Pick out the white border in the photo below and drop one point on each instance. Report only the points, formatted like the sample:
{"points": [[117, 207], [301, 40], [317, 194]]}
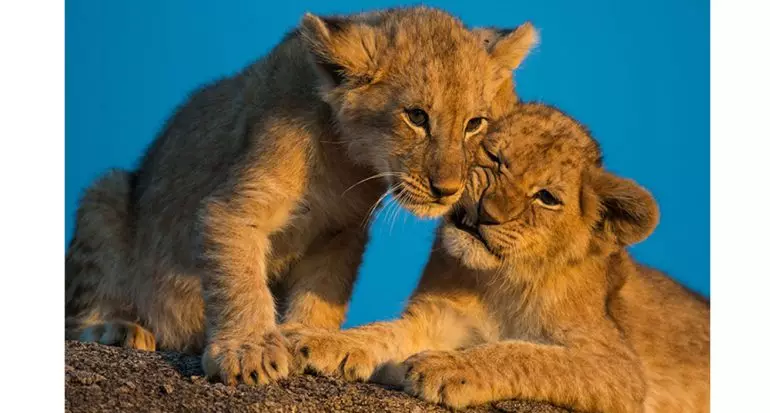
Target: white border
{"points": [[32, 173], [740, 205], [32, 155]]}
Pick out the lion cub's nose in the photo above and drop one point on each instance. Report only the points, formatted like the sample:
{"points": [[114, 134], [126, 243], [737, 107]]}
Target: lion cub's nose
{"points": [[445, 187]]}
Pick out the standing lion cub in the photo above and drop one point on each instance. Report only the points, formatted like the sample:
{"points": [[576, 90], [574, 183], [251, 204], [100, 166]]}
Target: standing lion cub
{"points": [[254, 197], [531, 293]]}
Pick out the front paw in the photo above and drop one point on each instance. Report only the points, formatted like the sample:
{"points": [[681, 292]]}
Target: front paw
{"points": [[334, 353], [446, 377], [259, 360]]}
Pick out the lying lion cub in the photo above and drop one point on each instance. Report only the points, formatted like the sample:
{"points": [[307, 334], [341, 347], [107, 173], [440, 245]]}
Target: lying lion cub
{"points": [[534, 295]]}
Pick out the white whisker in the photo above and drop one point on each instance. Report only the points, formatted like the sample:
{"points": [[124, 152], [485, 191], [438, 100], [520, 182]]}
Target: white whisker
{"points": [[380, 175], [388, 206], [373, 209], [397, 208]]}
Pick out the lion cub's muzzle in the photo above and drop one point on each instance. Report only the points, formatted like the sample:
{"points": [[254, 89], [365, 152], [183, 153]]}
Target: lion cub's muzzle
{"points": [[480, 207], [444, 189], [428, 197], [465, 218]]}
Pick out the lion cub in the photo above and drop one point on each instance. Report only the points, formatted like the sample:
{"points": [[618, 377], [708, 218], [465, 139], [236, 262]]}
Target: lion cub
{"points": [[533, 295], [256, 193]]}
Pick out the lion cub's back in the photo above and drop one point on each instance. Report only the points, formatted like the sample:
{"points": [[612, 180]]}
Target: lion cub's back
{"points": [[669, 329]]}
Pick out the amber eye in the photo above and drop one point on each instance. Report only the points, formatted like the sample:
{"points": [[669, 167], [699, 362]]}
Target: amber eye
{"points": [[418, 117], [546, 198], [474, 125]]}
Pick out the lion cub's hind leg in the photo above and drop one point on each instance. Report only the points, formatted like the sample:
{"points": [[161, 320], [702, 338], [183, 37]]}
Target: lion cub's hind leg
{"points": [[118, 333]]}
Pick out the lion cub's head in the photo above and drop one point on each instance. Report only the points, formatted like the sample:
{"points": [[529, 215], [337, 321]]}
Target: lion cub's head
{"points": [[411, 90], [541, 198]]}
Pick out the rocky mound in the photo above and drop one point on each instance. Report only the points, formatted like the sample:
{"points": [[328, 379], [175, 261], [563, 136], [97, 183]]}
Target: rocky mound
{"points": [[110, 379]]}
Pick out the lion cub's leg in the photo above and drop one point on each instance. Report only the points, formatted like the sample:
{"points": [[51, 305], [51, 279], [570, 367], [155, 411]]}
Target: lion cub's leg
{"points": [[319, 286], [317, 289], [243, 340], [96, 267], [353, 354], [435, 318], [575, 378], [119, 333], [244, 344], [428, 323]]}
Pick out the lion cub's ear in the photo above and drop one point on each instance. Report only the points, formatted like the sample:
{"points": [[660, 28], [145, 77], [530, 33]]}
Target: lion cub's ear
{"points": [[508, 46], [627, 211], [341, 48]]}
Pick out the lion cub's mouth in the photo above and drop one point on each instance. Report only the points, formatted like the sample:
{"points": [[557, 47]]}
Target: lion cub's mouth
{"points": [[420, 204], [460, 219]]}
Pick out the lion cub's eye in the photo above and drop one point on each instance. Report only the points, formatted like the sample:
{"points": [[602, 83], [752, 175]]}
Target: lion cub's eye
{"points": [[418, 117], [546, 198], [474, 125]]}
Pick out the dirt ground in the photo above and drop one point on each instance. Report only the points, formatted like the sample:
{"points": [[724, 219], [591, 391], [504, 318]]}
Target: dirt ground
{"points": [[110, 379]]}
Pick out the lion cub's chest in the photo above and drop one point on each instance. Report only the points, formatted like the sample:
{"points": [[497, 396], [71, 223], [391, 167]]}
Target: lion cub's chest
{"points": [[322, 211], [516, 318]]}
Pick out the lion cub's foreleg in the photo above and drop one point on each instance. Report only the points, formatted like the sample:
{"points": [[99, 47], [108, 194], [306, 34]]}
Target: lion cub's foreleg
{"points": [[243, 341], [319, 286], [429, 323], [436, 318], [560, 375]]}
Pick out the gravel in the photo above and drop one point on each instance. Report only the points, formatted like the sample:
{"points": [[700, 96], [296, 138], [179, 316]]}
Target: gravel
{"points": [[111, 379]]}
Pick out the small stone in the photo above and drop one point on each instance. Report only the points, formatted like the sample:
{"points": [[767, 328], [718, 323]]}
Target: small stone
{"points": [[94, 388], [167, 388], [130, 385], [86, 378]]}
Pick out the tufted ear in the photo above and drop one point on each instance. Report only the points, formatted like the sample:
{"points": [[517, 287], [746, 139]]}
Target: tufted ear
{"points": [[508, 46], [488, 36], [341, 48], [626, 210]]}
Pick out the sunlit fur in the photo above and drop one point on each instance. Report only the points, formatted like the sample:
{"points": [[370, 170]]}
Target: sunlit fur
{"points": [[253, 202], [538, 148], [544, 302], [414, 58]]}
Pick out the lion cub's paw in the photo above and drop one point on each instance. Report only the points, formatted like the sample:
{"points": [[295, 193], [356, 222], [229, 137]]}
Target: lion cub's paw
{"points": [[120, 333], [252, 361], [446, 377], [334, 353]]}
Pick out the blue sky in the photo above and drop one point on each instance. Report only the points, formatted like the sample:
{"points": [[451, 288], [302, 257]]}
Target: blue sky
{"points": [[635, 73]]}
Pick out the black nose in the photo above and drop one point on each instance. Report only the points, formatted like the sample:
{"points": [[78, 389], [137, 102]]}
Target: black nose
{"points": [[444, 188]]}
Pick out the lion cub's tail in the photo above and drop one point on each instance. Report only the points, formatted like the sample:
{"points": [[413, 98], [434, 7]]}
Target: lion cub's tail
{"points": [[100, 248]]}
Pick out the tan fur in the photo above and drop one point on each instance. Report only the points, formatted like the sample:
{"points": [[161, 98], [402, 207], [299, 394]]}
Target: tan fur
{"points": [[542, 302], [256, 196]]}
